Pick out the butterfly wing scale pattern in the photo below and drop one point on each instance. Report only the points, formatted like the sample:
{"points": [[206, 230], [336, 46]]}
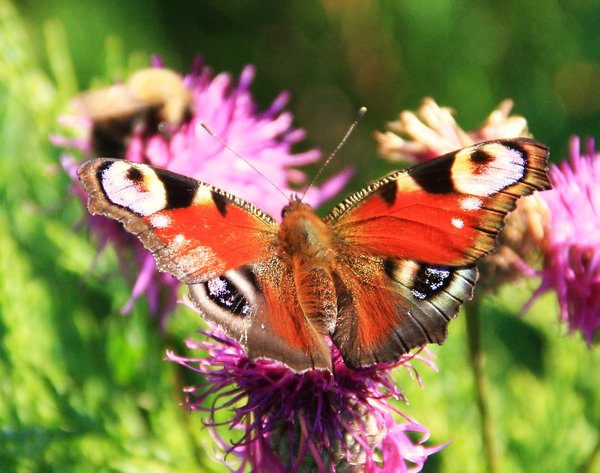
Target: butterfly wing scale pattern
{"points": [[446, 211], [257, 306], [195, 231], [387, 307]]}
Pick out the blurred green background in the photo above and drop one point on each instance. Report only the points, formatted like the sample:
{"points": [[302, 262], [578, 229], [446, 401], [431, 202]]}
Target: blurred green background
{"points": [[84, 389]]}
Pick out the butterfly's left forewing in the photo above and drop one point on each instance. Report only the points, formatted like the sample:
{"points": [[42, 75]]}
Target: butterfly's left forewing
{"points": [[195, 231], [446, 211], [419, 234]]}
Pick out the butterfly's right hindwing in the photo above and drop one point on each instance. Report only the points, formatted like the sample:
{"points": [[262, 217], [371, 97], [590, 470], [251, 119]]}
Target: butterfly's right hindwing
{"points": [[417, 302]]}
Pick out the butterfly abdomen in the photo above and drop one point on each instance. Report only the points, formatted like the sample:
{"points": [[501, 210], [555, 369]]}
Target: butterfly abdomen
{"points": [[305, 246]]}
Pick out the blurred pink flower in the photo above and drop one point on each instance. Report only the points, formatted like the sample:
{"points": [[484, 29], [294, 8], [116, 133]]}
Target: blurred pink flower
{"points": [[314, 421], [432, 131], [263, 138], [572, 239]]}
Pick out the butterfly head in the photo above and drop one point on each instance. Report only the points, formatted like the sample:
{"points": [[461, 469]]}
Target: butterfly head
{"points": [[295, 203]]}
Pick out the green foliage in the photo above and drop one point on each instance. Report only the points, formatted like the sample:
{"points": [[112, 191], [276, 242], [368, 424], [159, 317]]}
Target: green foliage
{"points": [[543, 391], [84, 389]]}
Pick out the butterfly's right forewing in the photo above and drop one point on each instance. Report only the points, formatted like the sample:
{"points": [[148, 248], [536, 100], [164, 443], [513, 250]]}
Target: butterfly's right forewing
{"points": [[195, 231]]}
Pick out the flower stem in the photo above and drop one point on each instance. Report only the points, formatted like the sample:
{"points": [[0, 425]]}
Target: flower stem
{"points": [[478, 365]]}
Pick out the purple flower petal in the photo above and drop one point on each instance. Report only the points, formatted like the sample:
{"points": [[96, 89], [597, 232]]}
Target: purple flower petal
{"points": [[314, 421], [572, 247]]}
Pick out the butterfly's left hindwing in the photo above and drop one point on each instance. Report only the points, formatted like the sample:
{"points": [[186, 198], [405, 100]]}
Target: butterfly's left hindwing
{"points": [[387, 307]]}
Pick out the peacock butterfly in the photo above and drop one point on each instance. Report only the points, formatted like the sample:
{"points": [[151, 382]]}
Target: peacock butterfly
{"points": [[385, 271]]}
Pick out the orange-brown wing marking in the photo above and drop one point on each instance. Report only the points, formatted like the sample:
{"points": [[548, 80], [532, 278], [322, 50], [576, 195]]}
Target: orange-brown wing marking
{"points": [[195, 231], [447, 211], [304, 346], [202, 242], [367, 316]]}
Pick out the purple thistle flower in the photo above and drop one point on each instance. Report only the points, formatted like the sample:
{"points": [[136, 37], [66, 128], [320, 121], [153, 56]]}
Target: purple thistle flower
{"points": [[264, 138], [314, 421], [572, 239]]}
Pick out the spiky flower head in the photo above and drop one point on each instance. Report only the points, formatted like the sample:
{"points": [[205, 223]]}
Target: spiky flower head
{"points": [[572, 239], [315, 421], [180, 144], [432, 131]]}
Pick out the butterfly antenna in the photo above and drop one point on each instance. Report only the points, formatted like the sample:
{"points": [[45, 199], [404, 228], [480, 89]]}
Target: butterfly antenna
{"points": [[237, 155], [359, 116]]}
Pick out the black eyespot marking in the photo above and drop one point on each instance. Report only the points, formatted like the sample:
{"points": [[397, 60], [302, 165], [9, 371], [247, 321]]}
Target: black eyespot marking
{"points": [[134, 174], [388, 193], [435, 176], [516, 147], [430, 280], [103, 167], [220, 202], [224, 293], [389, 266]]}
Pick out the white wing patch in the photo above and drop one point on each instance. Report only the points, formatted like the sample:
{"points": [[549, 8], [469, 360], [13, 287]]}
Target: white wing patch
{"points": [[143, 196], [505, 166], [458, 223], [471, 203], [160, 221]]}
